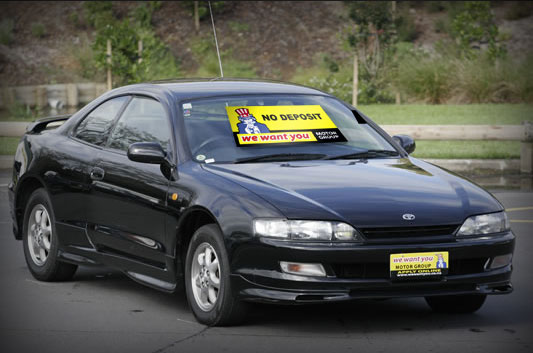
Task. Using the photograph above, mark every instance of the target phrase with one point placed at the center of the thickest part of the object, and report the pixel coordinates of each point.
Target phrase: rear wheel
(40, 240)
(457, 304)
(207, 280)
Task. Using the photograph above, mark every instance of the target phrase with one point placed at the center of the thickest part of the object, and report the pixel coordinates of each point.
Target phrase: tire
(457, 304)
(40, 240)
(210, 305)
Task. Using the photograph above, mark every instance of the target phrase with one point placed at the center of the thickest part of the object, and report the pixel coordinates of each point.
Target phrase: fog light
(301, 269)
(501, 261)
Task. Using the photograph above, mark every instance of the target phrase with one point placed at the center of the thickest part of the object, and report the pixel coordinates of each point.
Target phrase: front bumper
(362, 271)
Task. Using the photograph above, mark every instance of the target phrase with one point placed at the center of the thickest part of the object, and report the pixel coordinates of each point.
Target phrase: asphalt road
(103, 311)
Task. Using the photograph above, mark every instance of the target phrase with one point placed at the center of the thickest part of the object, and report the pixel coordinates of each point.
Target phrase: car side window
(96, 126)
(143, 120)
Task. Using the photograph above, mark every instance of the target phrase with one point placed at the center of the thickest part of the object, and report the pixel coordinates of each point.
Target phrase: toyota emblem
(408, 217)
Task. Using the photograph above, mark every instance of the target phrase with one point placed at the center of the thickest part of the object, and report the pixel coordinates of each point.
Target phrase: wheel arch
(25, 188)
(194, 218)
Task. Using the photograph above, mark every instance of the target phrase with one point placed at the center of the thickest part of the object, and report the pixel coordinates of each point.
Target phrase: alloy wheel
(39, 234)
(205, 276)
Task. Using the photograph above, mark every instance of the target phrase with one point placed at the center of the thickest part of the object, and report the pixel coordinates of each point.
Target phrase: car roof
(195, 88)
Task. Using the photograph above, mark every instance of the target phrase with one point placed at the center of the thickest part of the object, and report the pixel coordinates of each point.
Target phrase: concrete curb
(6, 162)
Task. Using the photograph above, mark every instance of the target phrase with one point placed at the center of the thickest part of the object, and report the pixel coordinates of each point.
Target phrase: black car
(252, 191)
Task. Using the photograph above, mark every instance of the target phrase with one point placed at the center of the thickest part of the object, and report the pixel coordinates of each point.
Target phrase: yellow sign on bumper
(419, 265)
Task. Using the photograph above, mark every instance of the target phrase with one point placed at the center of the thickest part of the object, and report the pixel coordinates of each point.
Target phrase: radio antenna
(216, 41)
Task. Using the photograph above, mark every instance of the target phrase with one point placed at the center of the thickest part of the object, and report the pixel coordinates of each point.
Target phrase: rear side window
(143, 120)
(95, 128)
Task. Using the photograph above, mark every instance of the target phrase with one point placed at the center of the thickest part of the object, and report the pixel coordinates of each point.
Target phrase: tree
(474, 26)
(373, 30)
(157, 60)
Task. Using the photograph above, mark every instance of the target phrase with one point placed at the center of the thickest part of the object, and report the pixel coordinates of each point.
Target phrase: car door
(69, 170)
(128, 204)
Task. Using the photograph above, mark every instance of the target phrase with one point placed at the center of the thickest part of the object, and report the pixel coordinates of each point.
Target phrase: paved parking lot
(103, 311)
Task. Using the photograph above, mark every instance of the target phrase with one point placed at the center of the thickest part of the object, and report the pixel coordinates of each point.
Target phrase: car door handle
(97, 173)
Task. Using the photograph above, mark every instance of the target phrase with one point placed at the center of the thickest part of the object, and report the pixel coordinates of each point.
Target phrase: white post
(355, 80)
(109, 78)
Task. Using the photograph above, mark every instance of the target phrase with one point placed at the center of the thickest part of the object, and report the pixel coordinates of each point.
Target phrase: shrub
(424, 78)
(21, 111)
(406, 28)
(204, 51)
(519, 10)
(203, 8)
(6, 31)
(446, 77)
(474, 25)
(157, 60)
(436, 6)
(237, 26)
(38, 30)
(441, 26)
(84, 55)
(99, 13)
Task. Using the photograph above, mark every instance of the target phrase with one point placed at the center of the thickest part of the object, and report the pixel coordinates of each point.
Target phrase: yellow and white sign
(282, 124)
(419, 264)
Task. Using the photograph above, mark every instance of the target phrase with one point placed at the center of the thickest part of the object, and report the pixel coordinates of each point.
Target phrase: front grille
(362, 271)
(407, 232)
(381, 270)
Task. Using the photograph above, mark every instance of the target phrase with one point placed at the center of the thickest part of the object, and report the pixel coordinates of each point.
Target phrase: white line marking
(189, 322)
(522, 220)
(40, 283)
(3, 185)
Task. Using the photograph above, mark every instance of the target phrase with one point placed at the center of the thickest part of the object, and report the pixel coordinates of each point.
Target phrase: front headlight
(305, 230)
(485, 224)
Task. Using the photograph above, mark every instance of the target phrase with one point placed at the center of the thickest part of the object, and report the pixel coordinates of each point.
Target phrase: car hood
(368, 193)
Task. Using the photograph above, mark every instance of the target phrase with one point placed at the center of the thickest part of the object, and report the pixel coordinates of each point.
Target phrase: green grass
(475, 114)
(8, 145)
(467, 149)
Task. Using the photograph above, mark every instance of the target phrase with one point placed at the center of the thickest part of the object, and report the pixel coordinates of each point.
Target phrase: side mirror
(146, 152)
(407, 142)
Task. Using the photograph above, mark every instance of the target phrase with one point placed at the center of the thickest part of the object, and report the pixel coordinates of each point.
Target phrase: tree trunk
(196, 17)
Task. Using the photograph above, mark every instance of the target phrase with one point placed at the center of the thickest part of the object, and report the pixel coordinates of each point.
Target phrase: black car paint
(127, 219)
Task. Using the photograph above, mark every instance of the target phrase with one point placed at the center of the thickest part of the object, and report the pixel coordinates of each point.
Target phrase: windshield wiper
(281, 157)
(366, 154)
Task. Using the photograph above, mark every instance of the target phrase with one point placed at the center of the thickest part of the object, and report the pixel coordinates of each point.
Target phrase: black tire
(227, 309)
(456, 304)
(51, 269)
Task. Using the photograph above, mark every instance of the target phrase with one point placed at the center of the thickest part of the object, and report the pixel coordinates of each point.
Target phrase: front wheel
(40, 240)
(457, 304)
(207, 280)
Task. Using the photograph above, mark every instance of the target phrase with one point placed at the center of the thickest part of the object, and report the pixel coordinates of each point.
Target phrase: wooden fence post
(196, 17)
(109, 79)
(526, 149)
(355, 80)
(140, 51)
(41, 96)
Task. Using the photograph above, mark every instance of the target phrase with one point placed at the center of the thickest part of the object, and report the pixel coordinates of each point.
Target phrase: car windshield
(252, 128)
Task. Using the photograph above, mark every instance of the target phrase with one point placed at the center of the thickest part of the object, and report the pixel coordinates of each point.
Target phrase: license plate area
(416, 266)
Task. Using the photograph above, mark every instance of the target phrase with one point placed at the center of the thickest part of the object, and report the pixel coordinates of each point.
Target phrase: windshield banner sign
(253, 125)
